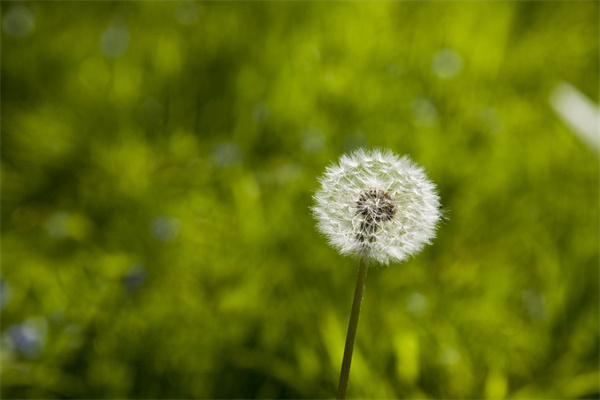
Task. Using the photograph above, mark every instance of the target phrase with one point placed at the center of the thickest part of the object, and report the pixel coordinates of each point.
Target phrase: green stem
(349, 349)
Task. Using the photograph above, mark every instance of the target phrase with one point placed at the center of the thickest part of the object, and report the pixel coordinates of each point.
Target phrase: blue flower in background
(28, 338)
(135, 278)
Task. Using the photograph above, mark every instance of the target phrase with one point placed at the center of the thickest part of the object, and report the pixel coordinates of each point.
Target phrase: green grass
(195, 154)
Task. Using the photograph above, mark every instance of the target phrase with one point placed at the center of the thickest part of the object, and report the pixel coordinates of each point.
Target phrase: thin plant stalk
(349, 349)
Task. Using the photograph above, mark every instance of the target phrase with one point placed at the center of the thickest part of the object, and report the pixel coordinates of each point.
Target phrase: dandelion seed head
(373, 203)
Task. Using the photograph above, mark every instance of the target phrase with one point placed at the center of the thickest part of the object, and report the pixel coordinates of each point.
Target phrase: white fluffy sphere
(376, 204)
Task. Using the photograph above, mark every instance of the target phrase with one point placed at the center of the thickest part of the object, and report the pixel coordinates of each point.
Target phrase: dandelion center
(373, 206)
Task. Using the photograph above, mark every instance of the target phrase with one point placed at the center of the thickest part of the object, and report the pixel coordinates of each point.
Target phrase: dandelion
(376, 206)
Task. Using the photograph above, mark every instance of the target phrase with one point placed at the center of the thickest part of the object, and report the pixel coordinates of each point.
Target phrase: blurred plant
(155, 156)
(578, 112)
(377, 206)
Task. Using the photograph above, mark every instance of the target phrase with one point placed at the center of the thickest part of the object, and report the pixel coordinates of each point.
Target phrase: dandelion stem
(349, 349)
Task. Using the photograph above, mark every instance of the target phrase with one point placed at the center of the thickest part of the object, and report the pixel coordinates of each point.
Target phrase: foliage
(158, 162)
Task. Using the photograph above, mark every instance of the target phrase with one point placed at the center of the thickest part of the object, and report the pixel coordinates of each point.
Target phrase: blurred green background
(158, 162)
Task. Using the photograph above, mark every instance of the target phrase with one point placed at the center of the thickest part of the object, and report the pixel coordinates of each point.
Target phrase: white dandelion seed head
(373, 203)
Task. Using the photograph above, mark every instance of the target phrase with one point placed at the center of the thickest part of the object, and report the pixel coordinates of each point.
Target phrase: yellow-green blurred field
(158, 161)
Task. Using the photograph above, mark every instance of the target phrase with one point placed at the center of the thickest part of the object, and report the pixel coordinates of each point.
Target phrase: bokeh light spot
(450, 356)
(18, 22)
(114, 41)
(313, 140)
(446, 63)
(226, 155)
(5, 293)
(260, 112)
(57, 225)
(424, 112)
(165, 228)
(416, 303)
(186, 13)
